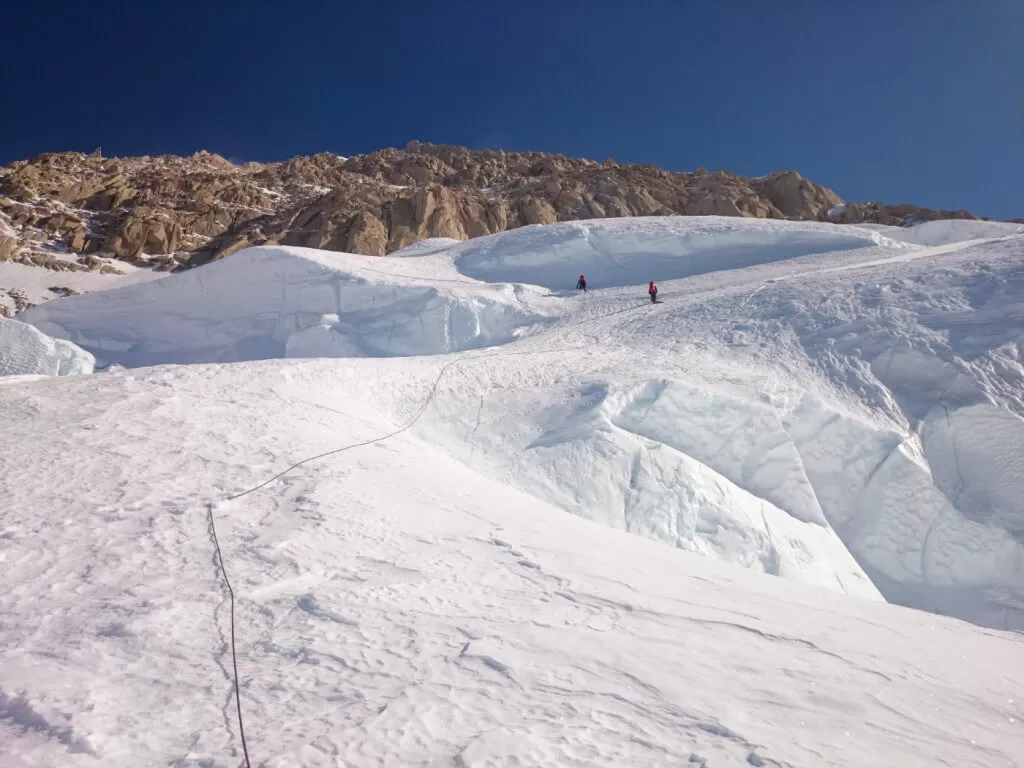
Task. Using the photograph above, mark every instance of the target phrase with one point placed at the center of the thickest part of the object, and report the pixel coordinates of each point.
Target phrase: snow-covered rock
(836, 211)
(25, 351)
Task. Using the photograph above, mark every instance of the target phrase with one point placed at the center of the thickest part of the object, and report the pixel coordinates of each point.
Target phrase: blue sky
(918, 101)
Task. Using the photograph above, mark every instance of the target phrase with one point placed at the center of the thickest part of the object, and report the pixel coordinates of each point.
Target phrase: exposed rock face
(8, 247)
(73, 211)
(795, 196)
(143, 231)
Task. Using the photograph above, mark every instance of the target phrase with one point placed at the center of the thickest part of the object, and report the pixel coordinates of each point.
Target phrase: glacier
(802, 404)
(473, 516)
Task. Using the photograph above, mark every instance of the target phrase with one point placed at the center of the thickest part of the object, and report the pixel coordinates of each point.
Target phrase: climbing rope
(234, 652)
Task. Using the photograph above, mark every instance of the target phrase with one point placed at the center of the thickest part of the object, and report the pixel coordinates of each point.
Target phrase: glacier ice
(24, 350)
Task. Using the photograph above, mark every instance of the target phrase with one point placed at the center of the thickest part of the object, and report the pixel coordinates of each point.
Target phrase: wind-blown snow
(817, 402)
(24, 351)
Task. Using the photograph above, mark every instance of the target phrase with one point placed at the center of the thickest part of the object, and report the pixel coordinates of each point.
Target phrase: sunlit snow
(839, 407)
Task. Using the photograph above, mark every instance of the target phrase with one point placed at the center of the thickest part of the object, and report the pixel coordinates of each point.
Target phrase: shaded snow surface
(834, 407)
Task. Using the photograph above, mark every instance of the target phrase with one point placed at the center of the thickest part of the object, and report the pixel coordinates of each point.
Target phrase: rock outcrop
(893, 215)
(76, 211)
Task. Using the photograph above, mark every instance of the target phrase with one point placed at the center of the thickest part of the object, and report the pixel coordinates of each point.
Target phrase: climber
(652, 290)
(581, 283)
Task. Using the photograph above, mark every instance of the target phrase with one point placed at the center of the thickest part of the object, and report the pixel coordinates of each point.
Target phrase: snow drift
(25, 351)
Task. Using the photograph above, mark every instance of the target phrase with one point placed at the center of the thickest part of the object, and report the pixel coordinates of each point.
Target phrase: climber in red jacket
(581, 284)
(652, 291)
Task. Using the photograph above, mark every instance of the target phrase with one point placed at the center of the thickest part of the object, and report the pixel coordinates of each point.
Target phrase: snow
(277, 302)
(948, 231)
(825, 404)
(773, 413)
(398, 608)
(35, 282)
(25, 351)
(632, 251)
(428, 246)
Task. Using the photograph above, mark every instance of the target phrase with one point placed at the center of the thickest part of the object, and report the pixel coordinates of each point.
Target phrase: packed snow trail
(398, 608)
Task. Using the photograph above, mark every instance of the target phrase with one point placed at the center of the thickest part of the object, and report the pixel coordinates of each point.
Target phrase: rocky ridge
(73, 212)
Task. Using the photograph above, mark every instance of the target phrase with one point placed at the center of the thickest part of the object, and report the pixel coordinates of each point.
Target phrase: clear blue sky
(917, 101)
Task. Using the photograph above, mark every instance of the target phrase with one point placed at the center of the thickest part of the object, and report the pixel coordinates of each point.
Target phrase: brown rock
(225, 248)
(143, 232)
(430, 212)
(367, 235)
(62, 291)
(46, 261)
(9, 247)
(537, 211)
(62, 223)
(79, 238)
(796, 197)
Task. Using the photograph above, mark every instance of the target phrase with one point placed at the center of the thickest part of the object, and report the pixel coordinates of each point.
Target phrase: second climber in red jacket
(652, 291)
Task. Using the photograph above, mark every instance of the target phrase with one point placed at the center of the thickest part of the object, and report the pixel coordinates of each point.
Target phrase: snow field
(34, 283)
(820, 403)
(630, 252)
(398, 608)
(948, 231)
(771, 413)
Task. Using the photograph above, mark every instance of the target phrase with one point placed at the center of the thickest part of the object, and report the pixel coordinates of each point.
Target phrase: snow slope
(948, 231)
(25, 351)
(396, 608)
(805, 402)
(821, 403)
(36, 285)
(632, 251)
